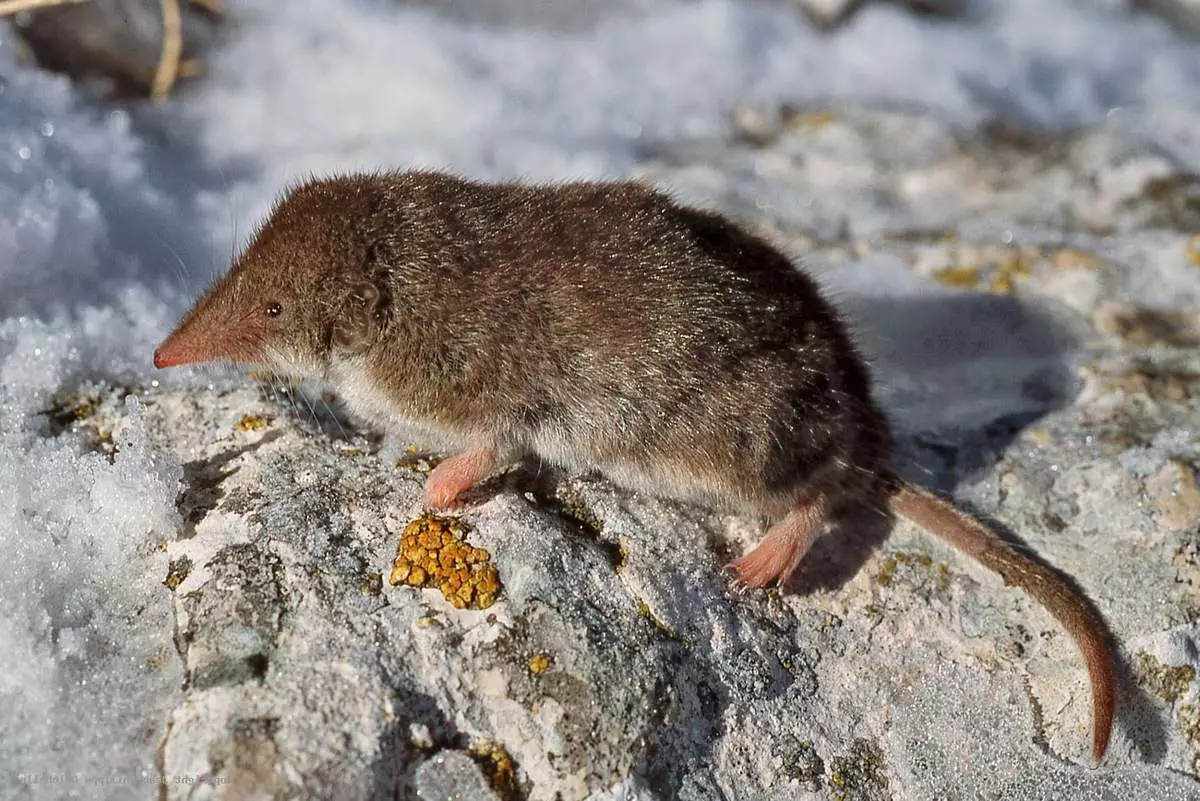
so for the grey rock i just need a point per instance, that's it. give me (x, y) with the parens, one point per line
(451, 776)
(1029, 304)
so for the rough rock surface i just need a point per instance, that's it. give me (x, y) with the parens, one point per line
(1041, 358)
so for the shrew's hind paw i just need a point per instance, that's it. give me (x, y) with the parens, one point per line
(783, 548)
(454, 476)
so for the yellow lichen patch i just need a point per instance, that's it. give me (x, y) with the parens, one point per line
(1168, 682)
(252, 422)
(937, 570)
(996, 268)
(1149, 327)
(1189, 724)
(645, 611)
(499, 768)
(77, 408)
(177, 572)
(1007, 271)
(159, 659)
(1193, 251)
(1039, 437)
(433, 552)
(1072, 259)
(371, 584)
(540, 663)
(962, 276)
(417, 461)
(814, 119)
(80, 413)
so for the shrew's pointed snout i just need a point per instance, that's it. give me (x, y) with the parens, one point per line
(165, 355)
(212, 333)
(177, 349)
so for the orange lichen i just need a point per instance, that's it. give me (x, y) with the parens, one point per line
(540, 663)
(433, 552)
(498, 767)
(251, 422)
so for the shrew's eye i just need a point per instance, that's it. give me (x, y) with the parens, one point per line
(274, 309)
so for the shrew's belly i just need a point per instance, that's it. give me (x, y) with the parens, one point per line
(676, 470)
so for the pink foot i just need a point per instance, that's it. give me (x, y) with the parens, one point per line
(456, 475)
(783, 548)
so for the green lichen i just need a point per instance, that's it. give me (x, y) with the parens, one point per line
(804, 764)
(860, 775)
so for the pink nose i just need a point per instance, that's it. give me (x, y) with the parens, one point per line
(177, 349)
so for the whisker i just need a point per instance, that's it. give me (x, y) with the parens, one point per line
(332, 414)
(233, 225)
(282, 393)
(311, 409)
(180, 266)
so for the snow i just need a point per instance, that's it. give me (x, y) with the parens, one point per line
(111, 220)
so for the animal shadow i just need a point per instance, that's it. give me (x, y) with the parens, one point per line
(961, 376)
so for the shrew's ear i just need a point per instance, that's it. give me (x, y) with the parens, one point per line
(362, 317)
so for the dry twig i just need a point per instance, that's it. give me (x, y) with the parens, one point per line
(172, 50)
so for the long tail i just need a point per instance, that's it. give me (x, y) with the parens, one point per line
(1075, 614)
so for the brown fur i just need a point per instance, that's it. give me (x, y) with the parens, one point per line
(594, 325)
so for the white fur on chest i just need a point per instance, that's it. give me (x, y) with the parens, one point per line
(360, 392)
